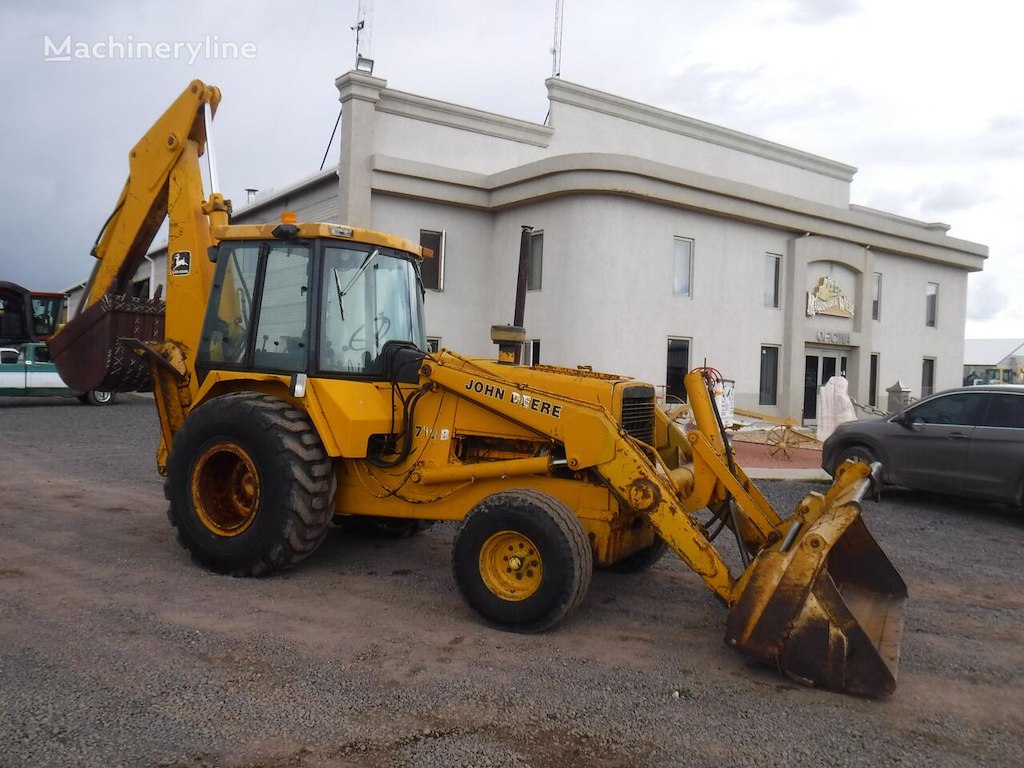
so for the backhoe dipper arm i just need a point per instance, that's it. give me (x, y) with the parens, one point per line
(143, 205)
(99, 348)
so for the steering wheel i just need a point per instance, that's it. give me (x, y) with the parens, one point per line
(357, 341)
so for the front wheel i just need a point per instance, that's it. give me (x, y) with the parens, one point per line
(250, 486)
(522, 560)
(857, 453)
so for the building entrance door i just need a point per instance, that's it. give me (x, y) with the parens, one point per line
(819, 366)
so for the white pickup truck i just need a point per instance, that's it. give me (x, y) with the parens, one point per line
(26, 370)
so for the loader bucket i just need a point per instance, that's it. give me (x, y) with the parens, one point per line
(90, 353)
(825, 605)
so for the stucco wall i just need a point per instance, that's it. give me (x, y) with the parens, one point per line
(611, 183)
(587, 121)
(901, 337)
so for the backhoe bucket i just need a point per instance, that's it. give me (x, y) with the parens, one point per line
(825, 605)
(90, 353)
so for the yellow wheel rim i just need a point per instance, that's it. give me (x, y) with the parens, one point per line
(225, 489)
(511, 566)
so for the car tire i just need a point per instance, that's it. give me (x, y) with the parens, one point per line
(97, 397)
(250, 486)
(857, 452)
(522, 560)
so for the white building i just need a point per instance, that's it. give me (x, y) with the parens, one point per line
(661, 243)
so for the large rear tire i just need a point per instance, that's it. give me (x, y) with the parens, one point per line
(250, 485)
(522, 560)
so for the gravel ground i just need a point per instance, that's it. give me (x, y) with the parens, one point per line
(115, 650)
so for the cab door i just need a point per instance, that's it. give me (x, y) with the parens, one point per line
(41, 375)
(12, 372)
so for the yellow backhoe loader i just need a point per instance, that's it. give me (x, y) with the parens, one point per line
(292, 389)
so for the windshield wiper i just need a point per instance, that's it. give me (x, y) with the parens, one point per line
(337, 281)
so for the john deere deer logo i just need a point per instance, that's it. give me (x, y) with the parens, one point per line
(180, 263)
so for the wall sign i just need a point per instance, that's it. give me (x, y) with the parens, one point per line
(827, 299)
(832, 337)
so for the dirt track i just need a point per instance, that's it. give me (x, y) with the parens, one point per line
(116, 650)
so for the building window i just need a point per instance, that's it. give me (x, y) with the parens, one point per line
(927, 376)
(531, 352)
(682, 266)
(772, 279)
(873, 382)
(433, 344)
(536, 270)
(931, 304)
(432, 270)
(677, 367)
(876, 297)
(768, 392)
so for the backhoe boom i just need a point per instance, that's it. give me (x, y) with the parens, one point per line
(164, 180)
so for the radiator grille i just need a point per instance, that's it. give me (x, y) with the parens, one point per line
(638, 413)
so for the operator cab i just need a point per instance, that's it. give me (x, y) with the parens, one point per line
(28, 315)
(325, 306)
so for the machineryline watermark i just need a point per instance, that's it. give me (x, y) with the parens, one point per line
(128, 48)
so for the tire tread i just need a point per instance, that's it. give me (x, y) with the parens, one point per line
(572, 536)
(296, 447)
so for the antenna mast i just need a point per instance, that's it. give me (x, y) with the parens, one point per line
(556, 47)
(364, 27)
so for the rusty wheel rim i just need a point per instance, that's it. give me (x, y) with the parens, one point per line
(225, 489)
(511, 566)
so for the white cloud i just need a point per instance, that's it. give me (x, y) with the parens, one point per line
(918, 95)
(986, 298)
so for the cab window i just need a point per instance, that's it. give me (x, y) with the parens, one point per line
(369, 297)
(225, 333)
(282, 335)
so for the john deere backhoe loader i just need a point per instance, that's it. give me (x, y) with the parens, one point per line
(292, 390)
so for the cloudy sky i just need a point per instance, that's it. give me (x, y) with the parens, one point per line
(921, 96)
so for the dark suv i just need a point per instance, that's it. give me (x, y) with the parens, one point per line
(964, 442)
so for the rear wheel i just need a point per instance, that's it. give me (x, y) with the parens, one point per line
(250, 485)
(522, 560)
(97, 397)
